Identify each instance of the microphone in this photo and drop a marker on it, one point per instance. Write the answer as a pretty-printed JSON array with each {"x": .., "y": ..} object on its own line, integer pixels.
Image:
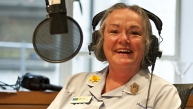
[
  {"x": 58, "y": 38},
  {"x": 57, "y": 15},
  {"x": 37, "y": 83}
]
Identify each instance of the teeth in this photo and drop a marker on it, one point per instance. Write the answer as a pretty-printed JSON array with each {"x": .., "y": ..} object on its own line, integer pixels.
[{"x": 122, "y": 50}]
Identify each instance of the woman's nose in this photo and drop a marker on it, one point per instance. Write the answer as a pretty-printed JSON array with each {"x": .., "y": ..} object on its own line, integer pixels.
[{"x": 123, "y": 39}]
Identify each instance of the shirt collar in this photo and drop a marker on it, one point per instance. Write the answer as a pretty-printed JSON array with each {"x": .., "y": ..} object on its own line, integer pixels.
[
  {"x": 101, "y": 74},
  {"x": 97, "y": 87},
  {"x": 141, "y": 78}
]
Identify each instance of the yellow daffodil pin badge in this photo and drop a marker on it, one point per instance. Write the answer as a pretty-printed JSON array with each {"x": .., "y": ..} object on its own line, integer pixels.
[{"x": 94, "y": 78}]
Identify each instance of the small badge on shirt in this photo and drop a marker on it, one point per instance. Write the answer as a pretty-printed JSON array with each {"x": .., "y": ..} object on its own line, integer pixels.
[
  {"x": 134, "y": 88},
  {"x": 83, "y": 99},
  {"x": 94, "y": 78}
]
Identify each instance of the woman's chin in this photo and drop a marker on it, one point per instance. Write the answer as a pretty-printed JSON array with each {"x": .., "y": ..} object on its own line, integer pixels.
[{"x": 124, "y": 62}]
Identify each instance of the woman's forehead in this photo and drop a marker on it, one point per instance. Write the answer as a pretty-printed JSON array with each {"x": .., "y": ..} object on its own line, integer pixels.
[{"x": 123, "y": 16}]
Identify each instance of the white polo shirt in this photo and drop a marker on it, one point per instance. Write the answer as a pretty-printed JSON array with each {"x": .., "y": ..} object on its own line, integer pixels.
[{"x": 163, "y": 95}]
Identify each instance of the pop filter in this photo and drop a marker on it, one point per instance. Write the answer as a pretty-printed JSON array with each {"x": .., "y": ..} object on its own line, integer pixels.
[{"x": 57, "y": 47}]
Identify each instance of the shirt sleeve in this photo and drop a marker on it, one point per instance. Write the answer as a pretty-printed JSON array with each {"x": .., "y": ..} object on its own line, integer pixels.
[
  {"x": 72, "y": 86},
  {"x": 168, "y": 98},
  {"x": 62, "y": 98}
]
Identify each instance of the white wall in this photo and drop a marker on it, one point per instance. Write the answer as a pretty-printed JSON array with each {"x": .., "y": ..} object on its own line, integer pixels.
[{"x": 186, "y": 40}]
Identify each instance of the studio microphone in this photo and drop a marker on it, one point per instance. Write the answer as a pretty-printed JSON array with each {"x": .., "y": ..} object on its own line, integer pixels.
[
  {"x": 57, "y": 14},
  {"x": 58, "y": 38}
]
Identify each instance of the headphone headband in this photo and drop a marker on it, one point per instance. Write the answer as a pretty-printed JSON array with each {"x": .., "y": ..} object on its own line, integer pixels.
[
  {"x": 97, "y": 18},
  {"x": 153, "y": 17},
  {"x": 157, "y": 21}
]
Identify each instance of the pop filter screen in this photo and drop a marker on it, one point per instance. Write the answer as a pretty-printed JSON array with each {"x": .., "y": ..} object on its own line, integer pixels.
[{"x": 56, "y": 48}]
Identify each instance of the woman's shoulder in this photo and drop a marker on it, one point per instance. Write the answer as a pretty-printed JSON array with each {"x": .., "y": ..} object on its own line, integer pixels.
[
  {"x": 162, "y": 83},
  {"x": 79, "y": 78},
  {"x": 83, "y": 77}
]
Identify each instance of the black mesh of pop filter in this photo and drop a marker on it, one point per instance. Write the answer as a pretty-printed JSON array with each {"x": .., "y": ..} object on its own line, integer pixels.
[{"x": 57, "y": 48}]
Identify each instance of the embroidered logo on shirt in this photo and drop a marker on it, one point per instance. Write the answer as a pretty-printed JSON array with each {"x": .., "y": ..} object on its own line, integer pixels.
[
  {"x": 144, "y": 107},
  {"x": 94, "y": 78},
  {"x": 134, "y": 88}
]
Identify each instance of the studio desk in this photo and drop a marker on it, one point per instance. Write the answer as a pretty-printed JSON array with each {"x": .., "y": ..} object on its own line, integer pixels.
[
  {"x": 26, "y": 100},
  {"x": 39, "y": 100}
]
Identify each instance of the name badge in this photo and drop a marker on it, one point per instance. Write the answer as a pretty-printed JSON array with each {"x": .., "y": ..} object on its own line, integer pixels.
[{"x": 83, "y": 99}]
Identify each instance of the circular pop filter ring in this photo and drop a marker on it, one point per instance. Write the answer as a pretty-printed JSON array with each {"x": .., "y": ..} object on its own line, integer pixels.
[{"x": 57, "y": 48}]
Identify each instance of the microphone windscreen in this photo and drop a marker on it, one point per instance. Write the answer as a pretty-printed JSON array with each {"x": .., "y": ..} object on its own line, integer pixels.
[{"x": 57, "y": 48}]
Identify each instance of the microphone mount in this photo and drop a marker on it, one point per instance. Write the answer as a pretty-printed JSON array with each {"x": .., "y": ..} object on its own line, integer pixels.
[{"x": 56, "y": 8}]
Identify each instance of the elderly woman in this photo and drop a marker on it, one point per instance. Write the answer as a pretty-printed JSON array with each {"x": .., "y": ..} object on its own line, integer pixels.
[{"x": 124, "y": 83}]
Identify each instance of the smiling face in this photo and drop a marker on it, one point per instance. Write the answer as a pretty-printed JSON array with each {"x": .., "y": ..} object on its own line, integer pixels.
[{"x": 124, "y": 42}]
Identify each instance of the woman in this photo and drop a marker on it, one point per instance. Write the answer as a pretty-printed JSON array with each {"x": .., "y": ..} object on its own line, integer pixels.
[{"x": 124, "y": 84}]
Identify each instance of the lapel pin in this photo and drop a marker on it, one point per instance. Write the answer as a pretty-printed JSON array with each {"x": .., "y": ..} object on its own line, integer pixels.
[
  {"x": 134, "y": 88},
  {"x": 94, "y": 78}
]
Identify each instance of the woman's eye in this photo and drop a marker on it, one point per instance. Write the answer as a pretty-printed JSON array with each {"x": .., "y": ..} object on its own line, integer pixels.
[
  {"x": 113, "y": 31},
  {"x": 134, "y": 32}
]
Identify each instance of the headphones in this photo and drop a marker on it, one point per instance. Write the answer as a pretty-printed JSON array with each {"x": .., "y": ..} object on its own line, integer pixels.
[
  {"x": 154, "y": 51},
  {"x": 37, "y": 83}
]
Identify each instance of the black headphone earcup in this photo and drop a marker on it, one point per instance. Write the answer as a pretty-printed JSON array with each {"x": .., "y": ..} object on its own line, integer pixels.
[
  {"x": 95, "y": 39},
  {"x": 153, "y": 52},
  {"x": 95, "y": 36}
]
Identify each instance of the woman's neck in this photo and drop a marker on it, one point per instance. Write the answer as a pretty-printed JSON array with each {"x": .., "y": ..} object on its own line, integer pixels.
[
  {"x": 117, "y": 77},
  {"x": 122, "y": 74}
]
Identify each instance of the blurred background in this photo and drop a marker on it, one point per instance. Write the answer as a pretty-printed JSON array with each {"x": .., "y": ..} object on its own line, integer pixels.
[{"x": 19, "y": 18}]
